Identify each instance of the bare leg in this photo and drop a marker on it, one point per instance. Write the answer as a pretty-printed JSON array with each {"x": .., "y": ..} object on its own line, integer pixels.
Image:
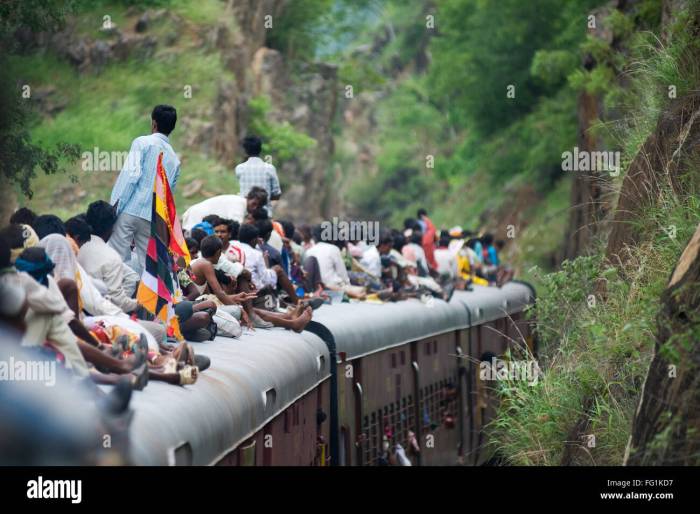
[
  {"x": 70, "y": 292},
  {"x": 197, "y": 320},
  {"x": 279, "y": 320},
  {"x": 284, "y": 282},
  {"x": 104, "y": 361}
]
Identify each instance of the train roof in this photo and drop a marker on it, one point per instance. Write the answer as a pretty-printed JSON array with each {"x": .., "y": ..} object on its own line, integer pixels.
[
  {"x": 490, "y": 303},
  {"x": 251, "y": 380},
  {"x": 254, "y": 378},
  {"x": 363, "y": 328}
]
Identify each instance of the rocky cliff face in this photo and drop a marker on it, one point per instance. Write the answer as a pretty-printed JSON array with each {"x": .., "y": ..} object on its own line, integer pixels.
[{"x": 304, "y": 95}]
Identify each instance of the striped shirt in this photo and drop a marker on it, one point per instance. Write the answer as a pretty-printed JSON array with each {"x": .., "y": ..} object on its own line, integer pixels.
[
  {"x": 134, "y": 186},
  {"x": 256, "y": 172}
]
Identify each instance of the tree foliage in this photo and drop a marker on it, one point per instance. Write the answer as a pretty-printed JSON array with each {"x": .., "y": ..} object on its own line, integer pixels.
[{"x": 19, "y": 156}]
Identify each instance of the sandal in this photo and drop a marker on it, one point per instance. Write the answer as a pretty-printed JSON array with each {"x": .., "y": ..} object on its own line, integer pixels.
[
  {"x": 139, "y": 378},
  {"x": 141, "y": 344},
  {"x": 170, "y": 365},
  {"x": 188, "y": 375}
]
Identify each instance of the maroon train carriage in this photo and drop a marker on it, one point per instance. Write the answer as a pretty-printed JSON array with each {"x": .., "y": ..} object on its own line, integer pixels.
[{"x": 404, "y": 373}]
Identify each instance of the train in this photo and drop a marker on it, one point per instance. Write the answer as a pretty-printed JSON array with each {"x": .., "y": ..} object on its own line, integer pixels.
[{"x": 362, "y": 382}]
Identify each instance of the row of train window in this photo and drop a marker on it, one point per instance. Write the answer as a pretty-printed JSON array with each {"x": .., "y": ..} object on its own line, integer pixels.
[
  {"x": 396, "y": 419},
  {"x": 399, "y": 358}
]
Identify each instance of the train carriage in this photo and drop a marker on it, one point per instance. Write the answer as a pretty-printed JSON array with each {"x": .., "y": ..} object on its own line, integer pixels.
[{"x": 362, "y": 376}]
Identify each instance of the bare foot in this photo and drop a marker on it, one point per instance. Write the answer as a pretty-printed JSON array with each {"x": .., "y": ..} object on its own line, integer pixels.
[
  {"x": 296, "y": 311},
  {"x": 299, "y": 323}
]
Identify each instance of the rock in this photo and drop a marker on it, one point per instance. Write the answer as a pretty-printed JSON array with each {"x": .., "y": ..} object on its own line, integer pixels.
[
  {"x": 77, "y": 53},
  {"x": 142, "y": 23},
  {"x": 100, "y": 53},
  {"x": 139, "y": 47}
]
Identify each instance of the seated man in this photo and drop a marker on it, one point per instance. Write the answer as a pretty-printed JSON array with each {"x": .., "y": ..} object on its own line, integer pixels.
[
  {"x": 49, "y": 319},
  {"x": 264, "y": 277},
  {"x": 205, "y": 276},
  {"x": 445, "y": 259},
  {"x": 334, "y": 274},
  {"x": 265, "y": 230},
  {"x": 102, "y": 262},
  {"x": 226, "y": 230}
]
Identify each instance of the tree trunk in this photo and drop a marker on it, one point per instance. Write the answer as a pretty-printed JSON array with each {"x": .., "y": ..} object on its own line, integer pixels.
[
  {"x": 666, "y": 427},
  {"x": 589, "y": 204}
]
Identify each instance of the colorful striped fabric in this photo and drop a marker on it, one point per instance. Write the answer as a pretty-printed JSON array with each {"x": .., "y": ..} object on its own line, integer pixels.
[{"x": 159, "y": 289}]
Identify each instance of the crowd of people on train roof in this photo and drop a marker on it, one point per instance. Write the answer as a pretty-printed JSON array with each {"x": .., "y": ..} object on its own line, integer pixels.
[{"x": 69, "y": 286}]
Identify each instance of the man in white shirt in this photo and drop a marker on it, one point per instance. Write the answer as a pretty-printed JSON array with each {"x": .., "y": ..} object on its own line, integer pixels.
[
  {"x": 133, "y": 191},
  {"x": 446, "y": 259},
  {"x": 234, "y": 207},
  {"x": 256, "y": 172},
  {"x": 101, "y": 261},
  {"x": 334, "y": 275},
  {"x": 263, "y": 276}
]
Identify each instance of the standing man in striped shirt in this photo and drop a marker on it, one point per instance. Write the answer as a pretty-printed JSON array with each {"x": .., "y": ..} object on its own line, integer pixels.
[
  {"x": 257, "y": 172},
  {"x": 133, "y": 192}
]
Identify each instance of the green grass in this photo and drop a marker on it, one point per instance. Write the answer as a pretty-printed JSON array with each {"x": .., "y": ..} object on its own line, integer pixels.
[
  {"x": 596, "y": 324},
  {"x": 593, "y": 351},
  {"x": 107, "y": 109}
]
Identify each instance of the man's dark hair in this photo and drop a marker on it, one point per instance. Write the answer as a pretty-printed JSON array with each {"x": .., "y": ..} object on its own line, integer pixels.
[
  {"x": 399, "y": 241},
  {"x": 229, "y": 225},
  {"x": 192, "y": 243},
  {"x": 258, "y": 192},
  {"x": 260, "y": 214},
  {"x": 264, "y": 228},
  {"x": 101, "y": 217},
  {"x": 212, "y": 219},
  {"x": 47, "y": 224},
  {"x": 317, "y": 233},
  {"x": 487, "y": 240},
  {"x": 23, "y": 215},
  {"x": 422, "y": 212},
  {"x": 288, "y": 228},
  {"x": 34, "y": 254},
  {"x": 233, "y": 228},
  {"x": 13, "y": 235},
  {"x": 471, "y": 243},
  {"x": 386, "y": 239},
  {"x": 248, "y": 234},
  {"x": 444, "y": 241},
  {"x": 410, "y": 223},
  {"x": 78, "y": 229},
  {"x": 252, "y": 145},
  {"x": 198, "y": 234},
  {"x": 209, "y": 246},
  {"x": 165, "y": 117}
]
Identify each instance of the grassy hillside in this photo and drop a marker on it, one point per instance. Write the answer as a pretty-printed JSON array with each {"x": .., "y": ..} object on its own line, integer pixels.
[
  {"x": 597, "y": 323},
  {"x": 108, "y": 108}
]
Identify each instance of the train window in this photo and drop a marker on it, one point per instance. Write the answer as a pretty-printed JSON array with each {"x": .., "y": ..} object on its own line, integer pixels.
[
  {"x": 403, "y": 357},
  {"x": 427, "y": 348},
  {"x": 286, "y": 421},
  {"x": 435, "y": 346},
  {"x": 393, "y": 360}
]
